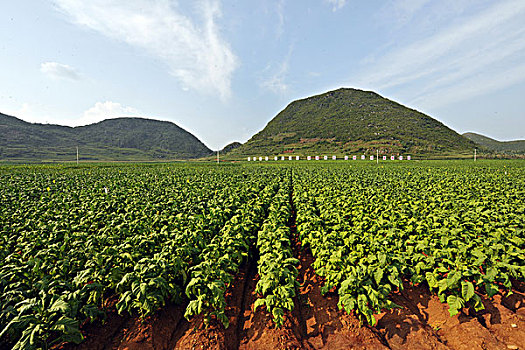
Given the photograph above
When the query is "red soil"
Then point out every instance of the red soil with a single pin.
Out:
(324, 326)
(316, 323)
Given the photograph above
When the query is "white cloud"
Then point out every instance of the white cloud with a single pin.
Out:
(194, 50)
(402, 11)
(425, 15)
(473, 86)
(493, 60)
(336, 4)
(488, 43)
(280, 16)
(25, 112)
(276, 82)
(58, 70)
(106, 110)
(99, 112)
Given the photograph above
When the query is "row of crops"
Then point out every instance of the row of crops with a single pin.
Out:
(71, 238)
(460, 230)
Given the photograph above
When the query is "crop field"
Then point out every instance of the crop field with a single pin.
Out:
(333, 255)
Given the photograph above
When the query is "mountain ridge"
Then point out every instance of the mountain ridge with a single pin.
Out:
(493, 145)
(348, 120)
(111, 139)
(339, 122)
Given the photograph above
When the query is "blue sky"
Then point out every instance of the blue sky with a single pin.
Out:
(223, 69)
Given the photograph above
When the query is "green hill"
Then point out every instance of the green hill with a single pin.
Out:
(230, 147)
(505, 147)
(347, 121)
(111, 139)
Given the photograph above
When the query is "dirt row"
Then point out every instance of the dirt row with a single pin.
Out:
(316, 323)
(423, 322)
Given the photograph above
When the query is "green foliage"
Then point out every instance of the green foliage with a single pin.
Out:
(71, 235)
(111, 139)
(505, 147)
(223, 256)
(458, 228)
(277, 266)
(230, 147)
(348, 120)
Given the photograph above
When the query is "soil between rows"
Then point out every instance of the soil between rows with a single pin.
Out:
(423, 322)
(316, 323)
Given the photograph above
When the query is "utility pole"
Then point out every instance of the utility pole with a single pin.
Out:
(377, 156)
(77, 155)
(475, 149)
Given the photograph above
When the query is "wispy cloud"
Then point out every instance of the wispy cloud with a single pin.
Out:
(24, 112)
(98, 112)
(280, 16)
(401, 11)
(106, 110)
(336, 4)
(276, 81)
(60, 71)
(473, 86)
(194, 49)
(488, 43)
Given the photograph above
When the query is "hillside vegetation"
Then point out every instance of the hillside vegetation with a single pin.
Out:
(111, 139)
(505, 147)
(230, 147)
(353, 121)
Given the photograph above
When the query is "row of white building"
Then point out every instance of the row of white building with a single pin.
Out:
(363, 157)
